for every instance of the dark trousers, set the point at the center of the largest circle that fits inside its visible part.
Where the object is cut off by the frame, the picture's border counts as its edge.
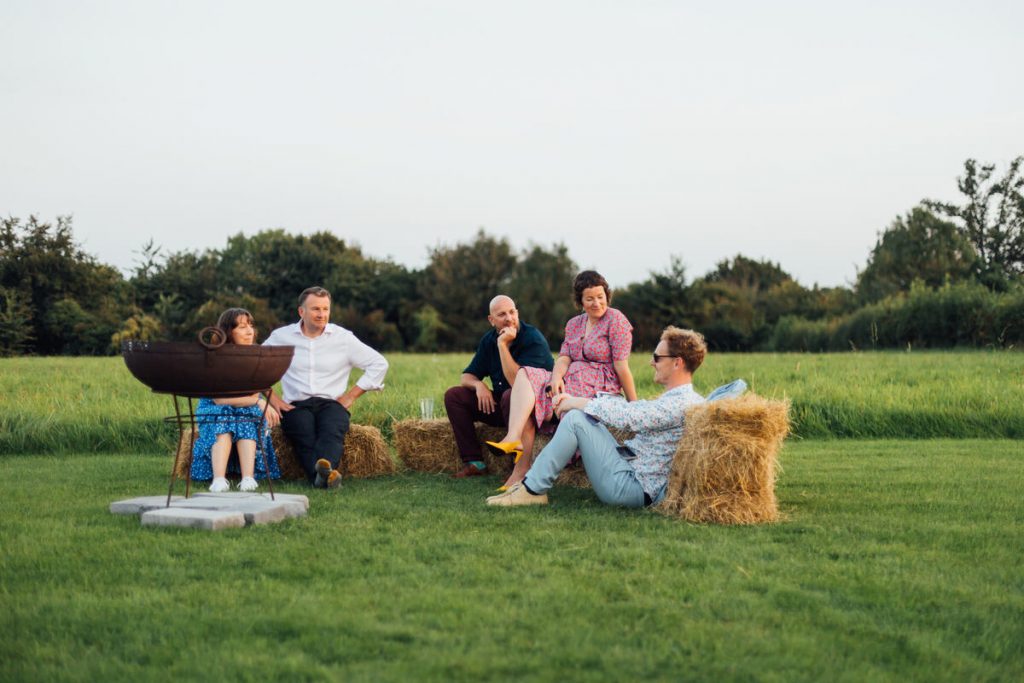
(316, 427)
(460, 403)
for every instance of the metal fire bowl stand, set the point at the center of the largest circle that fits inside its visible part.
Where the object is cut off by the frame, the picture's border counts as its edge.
(209, 369)
(190, 421)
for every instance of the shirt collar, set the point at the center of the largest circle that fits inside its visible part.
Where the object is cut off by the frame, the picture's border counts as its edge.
(328, 331)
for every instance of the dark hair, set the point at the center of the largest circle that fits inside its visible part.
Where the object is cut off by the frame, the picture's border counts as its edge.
(228, 321)
(315, 290)
(687, 345)
(586, 280)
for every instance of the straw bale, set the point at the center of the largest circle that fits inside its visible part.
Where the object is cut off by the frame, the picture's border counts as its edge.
(575, 476)
(183, 454)
(496, 464)
(366, 454)
(287, 460)
(427, 445)
(725, 466)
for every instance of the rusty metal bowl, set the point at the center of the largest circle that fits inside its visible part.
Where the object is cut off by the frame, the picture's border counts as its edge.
(209, 369)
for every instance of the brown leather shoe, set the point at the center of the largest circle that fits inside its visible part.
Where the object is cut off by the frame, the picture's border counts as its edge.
(469, 470)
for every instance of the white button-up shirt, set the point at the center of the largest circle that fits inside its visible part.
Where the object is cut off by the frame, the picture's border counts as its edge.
(321, 366)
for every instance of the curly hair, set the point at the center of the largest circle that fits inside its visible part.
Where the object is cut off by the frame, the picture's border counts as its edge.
(228, 321)
(685, 344)
(586, 280)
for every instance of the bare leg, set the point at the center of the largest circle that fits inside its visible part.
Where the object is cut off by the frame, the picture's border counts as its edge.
(246, 456)
(523, 466)
(520, 407)
(219, 454)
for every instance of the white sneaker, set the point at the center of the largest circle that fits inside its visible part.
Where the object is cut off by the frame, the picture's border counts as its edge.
(220, 485)
(248, 484)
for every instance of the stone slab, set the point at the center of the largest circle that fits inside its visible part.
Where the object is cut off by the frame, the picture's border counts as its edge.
(211, 520)
(135, 506)
(214, 510)
(256, 510)
(241, 496)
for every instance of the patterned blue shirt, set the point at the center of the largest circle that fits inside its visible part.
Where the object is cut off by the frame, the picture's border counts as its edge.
(658, 424)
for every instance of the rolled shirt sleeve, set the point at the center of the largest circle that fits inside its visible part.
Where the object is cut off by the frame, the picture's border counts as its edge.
(373, 365)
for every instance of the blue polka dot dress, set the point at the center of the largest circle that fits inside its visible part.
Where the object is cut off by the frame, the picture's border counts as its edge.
(213, 420)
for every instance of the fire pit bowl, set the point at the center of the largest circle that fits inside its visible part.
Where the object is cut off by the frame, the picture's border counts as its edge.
(210, 369)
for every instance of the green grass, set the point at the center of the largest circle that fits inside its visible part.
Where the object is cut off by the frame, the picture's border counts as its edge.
(897, 560)
(72, 405)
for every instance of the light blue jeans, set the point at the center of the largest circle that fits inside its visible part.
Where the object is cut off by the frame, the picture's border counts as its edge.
(612, 476)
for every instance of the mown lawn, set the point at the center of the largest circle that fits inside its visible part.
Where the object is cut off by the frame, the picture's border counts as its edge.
(896, 560)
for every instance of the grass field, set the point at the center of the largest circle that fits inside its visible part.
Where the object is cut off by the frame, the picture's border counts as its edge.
(60, 405)
(896, 559)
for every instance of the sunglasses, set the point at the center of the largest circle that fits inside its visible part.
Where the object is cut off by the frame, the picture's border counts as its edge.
(656, 357)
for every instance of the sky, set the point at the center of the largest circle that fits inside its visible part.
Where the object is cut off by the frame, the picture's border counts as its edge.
(631, 131)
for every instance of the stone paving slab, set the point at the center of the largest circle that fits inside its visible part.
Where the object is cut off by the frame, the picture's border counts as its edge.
(214, 511)
(135, 506)
(239, 495)
(211, 520)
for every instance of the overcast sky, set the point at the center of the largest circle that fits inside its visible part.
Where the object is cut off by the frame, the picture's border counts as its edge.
(631, 131)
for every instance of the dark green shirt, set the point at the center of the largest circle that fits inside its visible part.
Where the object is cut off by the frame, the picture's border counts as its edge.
(529, 349)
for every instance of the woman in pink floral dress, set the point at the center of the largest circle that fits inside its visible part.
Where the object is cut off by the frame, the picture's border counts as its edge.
(594, 358)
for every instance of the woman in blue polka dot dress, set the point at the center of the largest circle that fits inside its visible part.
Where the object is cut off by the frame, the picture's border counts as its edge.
(227, 421)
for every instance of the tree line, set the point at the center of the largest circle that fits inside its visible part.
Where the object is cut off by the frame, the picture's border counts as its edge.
(945, 274)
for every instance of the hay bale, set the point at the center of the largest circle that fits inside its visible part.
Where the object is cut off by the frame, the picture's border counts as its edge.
(287, 460)
(366, 454)
(725, 466)
(496, 464)
(575, 476)
(183, 454)
(427, 445)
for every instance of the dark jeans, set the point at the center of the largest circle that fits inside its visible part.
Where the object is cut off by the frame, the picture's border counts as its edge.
(460, 403)
(316, 427)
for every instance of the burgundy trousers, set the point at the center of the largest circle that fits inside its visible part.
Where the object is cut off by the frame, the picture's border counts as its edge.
(460, 403)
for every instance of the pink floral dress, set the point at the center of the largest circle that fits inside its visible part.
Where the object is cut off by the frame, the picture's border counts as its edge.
(592, 355)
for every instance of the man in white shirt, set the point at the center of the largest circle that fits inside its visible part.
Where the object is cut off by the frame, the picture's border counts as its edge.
(317, 397)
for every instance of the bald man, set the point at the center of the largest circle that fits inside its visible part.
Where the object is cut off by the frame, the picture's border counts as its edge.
(510, 345)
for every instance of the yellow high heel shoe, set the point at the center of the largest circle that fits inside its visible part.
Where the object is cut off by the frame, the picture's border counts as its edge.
(499, 448)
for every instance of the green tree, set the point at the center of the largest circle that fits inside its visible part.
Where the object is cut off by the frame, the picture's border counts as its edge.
(992, 219)
(747, 273)
(15, 322)
(45, 265)
(922, 247)
(541, 285)
(460, 281)
(664, 298)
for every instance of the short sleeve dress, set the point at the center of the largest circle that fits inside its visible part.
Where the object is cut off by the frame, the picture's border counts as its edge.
(591, 369)
(242, 423)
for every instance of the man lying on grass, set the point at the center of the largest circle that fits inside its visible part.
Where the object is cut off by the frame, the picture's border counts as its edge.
(636, 473)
